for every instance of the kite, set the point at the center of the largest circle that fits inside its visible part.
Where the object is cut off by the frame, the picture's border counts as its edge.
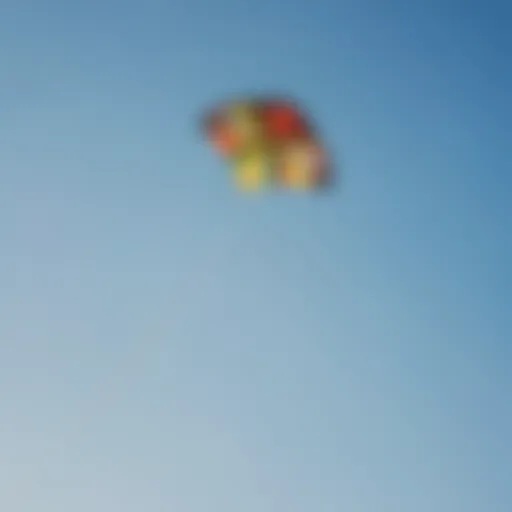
(269, 143)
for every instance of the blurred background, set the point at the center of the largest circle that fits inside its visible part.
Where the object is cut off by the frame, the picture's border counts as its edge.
(169, 344)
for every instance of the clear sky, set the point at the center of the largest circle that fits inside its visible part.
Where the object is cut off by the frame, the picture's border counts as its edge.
(167, 344)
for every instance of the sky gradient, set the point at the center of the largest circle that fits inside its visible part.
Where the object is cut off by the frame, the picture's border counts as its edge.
(168, 344)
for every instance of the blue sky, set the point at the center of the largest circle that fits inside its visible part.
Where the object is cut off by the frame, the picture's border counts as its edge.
(167, 344)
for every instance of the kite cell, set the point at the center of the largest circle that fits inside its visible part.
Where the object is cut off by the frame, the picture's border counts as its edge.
(269, 144)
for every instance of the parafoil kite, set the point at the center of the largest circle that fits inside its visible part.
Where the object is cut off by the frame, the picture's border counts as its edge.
(270, 144)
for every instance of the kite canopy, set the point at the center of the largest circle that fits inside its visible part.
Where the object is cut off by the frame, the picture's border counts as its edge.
(269, 143)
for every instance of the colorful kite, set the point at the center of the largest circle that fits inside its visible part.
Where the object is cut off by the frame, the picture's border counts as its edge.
(270, 144)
